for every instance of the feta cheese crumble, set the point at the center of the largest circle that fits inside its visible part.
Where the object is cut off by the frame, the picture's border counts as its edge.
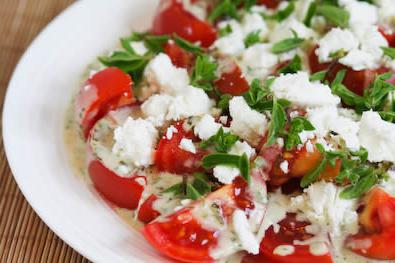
(135, 141)
(378, 137)
(206, 127)
(241, 226)
(247, 123)
(298, 89)
(187, 145)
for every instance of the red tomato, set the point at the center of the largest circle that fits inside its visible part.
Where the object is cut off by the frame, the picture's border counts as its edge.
(389, 35)
(232, 81)
(123, 192)
(356, 81)
(179, 57)
(105, 91)
(181, 237)
(173, 18)
(147, 213)
(290, 230)
(170, 157)
(375, 240)
(269, 3)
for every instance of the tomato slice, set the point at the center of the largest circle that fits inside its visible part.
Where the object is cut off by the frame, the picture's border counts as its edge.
(147, 213)
(179, 57)
(269, 3)
(173, 18)
(375, 240)
(232, 81)
(105, 91)
(123, 192)
(290, 230)
(171, 158)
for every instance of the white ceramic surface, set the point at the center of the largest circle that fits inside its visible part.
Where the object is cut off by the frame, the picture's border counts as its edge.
(37, 98)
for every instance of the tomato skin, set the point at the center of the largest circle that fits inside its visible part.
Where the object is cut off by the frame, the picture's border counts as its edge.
(290, 230)
(105, 91)
(147, 213)
(179, 57)
(232, 81)
(171, 158)
(375, 239)
(123, 192)
(269, 3)
(173, 18)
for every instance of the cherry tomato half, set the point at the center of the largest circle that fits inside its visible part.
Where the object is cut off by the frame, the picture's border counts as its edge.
(173, 18)
(232, 81)
(179, 57)
(105, 91)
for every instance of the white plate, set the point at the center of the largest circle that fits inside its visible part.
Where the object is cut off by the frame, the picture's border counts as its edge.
(33, 116)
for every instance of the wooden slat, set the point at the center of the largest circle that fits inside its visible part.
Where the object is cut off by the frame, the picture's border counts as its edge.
(23, 236)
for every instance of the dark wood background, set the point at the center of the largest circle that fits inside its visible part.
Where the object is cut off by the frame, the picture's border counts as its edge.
(23, 236)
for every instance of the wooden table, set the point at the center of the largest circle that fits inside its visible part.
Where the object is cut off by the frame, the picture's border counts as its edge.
(23, 236)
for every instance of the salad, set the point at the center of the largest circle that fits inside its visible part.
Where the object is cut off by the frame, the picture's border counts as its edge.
(250, 130)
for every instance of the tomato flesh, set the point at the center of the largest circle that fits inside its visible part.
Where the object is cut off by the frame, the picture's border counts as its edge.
(390, 36)
(105, 91)
(123, 192)
(172, 18)
(179, 57)
(170, 157)
(147, 213)
(232, 81)
(269, 3)
(290, 230)
(375, 239)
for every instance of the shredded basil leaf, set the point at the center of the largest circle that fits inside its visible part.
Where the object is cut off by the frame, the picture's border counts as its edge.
(282, 14)
(287, 44)
(277, 123)
(188, 46)
(252, 38)
(334, 15)
(313, 175)
(318, 76)
(389, 51)
(310, 14)
(293, 66)
(360, 187)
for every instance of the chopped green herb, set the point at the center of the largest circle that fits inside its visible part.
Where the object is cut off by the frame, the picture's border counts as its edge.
(252, 38)
(339, 77)
(282, 14)
(313, 175)
(221, 141)
(388, 116)
(154, 43)
(287, 44)
(334, 15)
(277, 123)
(310, 14)
(318, 76)
(293, 66)
(389, 51)
(188, 46)
(297, 125)
(192, 193)
(177, 189)
(223, 102)
(226, 8)
(204, 73)
(225, 31)
(360, 187)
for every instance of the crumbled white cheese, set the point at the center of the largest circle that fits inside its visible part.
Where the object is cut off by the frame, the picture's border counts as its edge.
(335, 40)
(284, 30)
(233, 43)
(243, 231)
(258, 61)
(139, 47)
(361, 13)
(298, 89)
(170, 131)
(189, 102)
(386, 11)
(223, 119)
(225, 174)
(206, 127)
(253, 22)
(284, 166)
(309, 147)
(389, 184)
(161, 72)
(284, 250)
(326, 119)
(240, 148)
(378, 137)
(247, 123)
(187, 145)
(358, 60)
(135, 141)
